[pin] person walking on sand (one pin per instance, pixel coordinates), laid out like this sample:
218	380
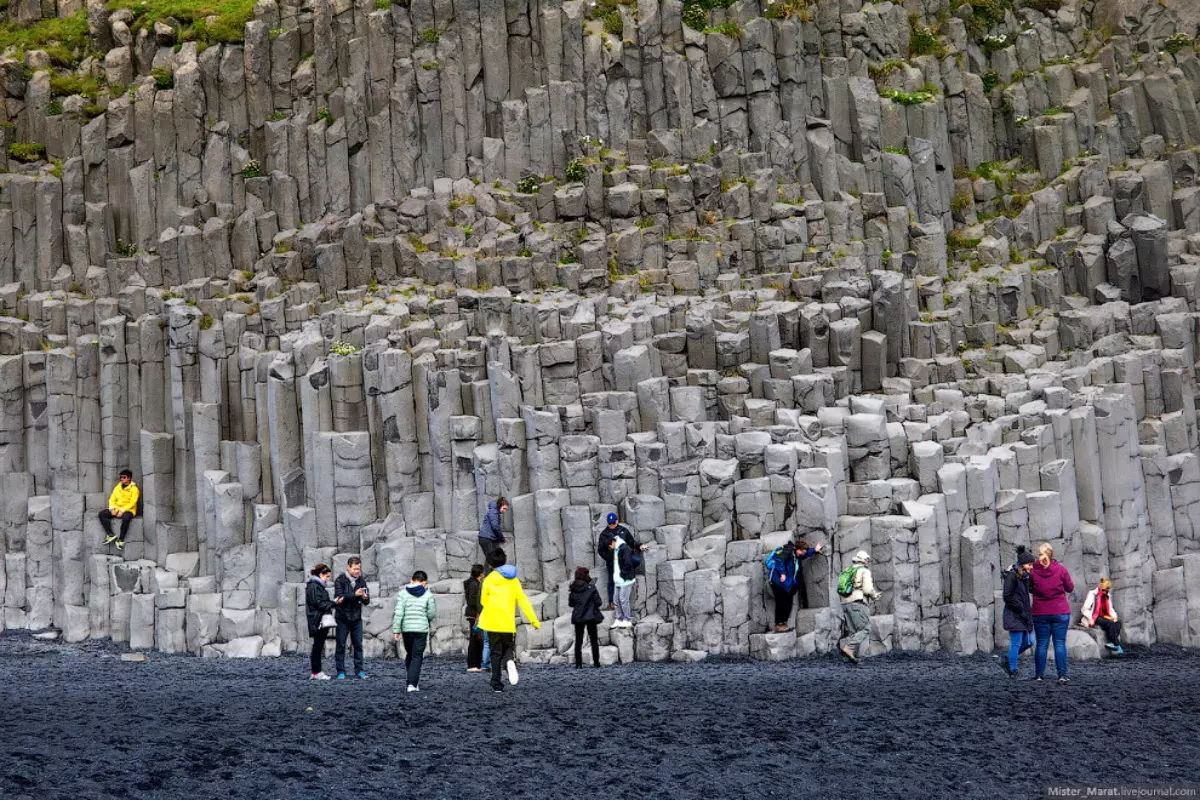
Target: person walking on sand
501	596
350	595
855	587
122	505
472	589
415	610
491	535
1099	612
316	605
624	579
1018	610
783	573
1050	583
585	606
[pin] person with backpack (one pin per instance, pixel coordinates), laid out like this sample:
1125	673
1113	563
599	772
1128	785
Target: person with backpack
604	549
472	588
855	587
585	614
501	596
415	610
350	594
316	605
124	504
783	574
1018	610
624	578
1050	583
1099	612
491	535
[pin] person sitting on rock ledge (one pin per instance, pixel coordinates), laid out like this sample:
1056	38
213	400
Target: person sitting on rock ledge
856	587
122	505
1099	612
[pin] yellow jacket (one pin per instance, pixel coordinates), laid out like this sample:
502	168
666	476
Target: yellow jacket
501	595
124	498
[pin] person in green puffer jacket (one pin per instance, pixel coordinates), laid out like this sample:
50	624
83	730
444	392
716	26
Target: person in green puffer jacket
415	609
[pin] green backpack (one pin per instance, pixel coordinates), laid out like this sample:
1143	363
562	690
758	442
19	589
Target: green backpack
845	586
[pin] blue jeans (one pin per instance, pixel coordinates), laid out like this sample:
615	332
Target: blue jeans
1047	627
1018	642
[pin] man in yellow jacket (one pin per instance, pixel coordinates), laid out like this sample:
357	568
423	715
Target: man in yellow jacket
502	593
122	505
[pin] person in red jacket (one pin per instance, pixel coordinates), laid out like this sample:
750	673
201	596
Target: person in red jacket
1050	583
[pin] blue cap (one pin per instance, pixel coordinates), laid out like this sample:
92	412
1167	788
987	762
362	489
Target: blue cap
612	518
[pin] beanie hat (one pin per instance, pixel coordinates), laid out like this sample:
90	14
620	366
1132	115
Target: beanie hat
861	557
1024	556
612	518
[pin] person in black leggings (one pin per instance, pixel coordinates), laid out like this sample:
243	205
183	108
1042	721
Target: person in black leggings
585	614
317	604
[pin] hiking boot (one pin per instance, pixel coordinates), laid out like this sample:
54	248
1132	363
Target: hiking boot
320	676
781	628
112	537
848	655
513	677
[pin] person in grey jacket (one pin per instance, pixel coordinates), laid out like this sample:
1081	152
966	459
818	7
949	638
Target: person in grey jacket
855	614
491	535
415	610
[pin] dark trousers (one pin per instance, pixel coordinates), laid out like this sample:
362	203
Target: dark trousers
503	646
1112	630
414	654
106	518
488	546
354	631
783	603
608	566
318	649
591	632
475	646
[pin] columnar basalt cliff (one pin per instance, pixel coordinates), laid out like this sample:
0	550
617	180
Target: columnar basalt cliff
920	279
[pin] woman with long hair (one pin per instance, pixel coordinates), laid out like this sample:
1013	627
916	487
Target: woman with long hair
316	605
585	614
1050	583
1099	612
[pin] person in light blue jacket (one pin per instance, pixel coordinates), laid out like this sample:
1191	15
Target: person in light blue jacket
415	610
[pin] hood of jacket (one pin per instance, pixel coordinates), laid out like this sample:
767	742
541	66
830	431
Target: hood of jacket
577	587
316	579
508	571
415	589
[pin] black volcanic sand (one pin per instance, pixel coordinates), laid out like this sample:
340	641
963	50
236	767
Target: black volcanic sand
76	722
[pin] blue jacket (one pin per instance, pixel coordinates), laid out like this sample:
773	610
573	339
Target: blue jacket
490	527
791	577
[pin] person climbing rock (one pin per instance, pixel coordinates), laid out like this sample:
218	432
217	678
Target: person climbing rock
1018	610
491	535
785	578
122	505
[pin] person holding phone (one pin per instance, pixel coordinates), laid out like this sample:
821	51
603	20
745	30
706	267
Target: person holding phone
349	596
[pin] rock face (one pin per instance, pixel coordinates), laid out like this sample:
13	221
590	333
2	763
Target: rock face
784	279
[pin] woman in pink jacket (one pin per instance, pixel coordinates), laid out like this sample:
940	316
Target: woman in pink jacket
1049	585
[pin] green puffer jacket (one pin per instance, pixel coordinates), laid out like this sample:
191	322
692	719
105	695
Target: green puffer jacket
415	609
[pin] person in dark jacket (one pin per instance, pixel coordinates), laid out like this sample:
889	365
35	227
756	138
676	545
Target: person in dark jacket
491	535
604	549
472	587
317	604
1018	609
585	614
350	595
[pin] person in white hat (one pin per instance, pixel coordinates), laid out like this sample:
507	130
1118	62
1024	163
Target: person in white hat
855	588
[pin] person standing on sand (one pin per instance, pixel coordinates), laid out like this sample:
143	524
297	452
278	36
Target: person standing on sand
856	587
1018	610
350	595
585	606
415	610
1050	584
472	589
491	534
1098	611
501	596
316	605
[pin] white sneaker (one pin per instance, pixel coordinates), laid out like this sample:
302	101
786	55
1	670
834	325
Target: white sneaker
512	673
320	676
413	689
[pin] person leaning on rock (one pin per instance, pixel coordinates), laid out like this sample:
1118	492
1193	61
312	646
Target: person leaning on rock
350	595
491	535
122	505
856	587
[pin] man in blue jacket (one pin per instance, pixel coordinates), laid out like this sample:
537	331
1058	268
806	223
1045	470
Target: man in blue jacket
491	536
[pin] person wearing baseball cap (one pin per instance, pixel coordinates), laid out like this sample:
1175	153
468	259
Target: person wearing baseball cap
604	549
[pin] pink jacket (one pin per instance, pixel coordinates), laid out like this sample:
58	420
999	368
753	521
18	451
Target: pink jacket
1049	588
